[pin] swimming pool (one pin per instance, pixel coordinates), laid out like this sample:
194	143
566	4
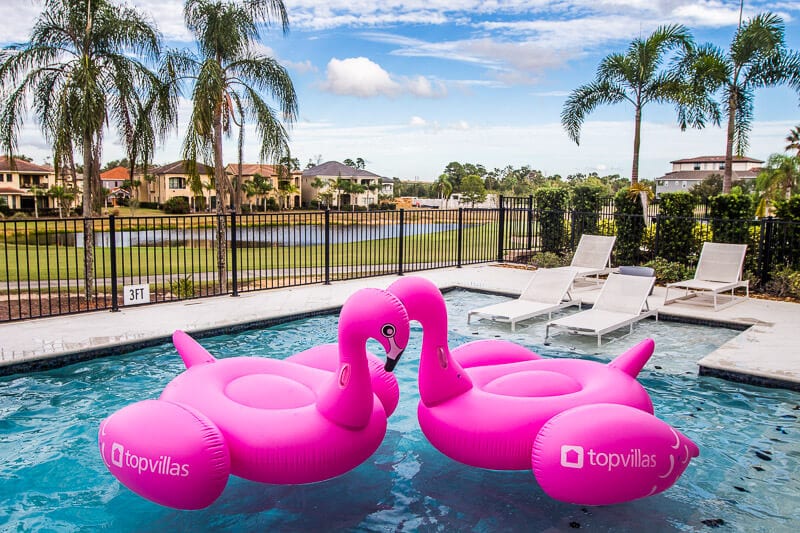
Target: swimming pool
52	477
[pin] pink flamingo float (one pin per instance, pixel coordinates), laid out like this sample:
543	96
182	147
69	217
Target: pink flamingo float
266	420
586	429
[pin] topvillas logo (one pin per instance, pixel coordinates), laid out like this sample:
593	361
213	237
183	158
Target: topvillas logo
164	465
576	457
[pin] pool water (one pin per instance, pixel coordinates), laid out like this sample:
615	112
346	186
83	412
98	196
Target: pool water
52	477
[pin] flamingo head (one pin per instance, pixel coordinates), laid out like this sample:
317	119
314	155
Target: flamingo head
379	315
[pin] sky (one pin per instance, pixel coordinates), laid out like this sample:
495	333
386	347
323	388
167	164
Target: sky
411	85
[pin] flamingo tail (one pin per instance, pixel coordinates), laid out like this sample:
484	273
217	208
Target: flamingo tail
633	360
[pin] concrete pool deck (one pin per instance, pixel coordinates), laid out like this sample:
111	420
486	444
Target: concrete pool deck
766	353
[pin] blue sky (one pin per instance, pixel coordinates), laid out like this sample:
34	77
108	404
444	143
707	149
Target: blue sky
410	85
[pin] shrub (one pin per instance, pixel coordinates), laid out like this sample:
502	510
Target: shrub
183	288
607	227
547	260
669	271
788	209
586	208
727	213
551	203
674	226
176	206
630	227
784	282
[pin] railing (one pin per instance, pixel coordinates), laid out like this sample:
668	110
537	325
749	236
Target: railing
42	263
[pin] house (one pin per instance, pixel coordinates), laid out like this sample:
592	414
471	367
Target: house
25	184
686	173
285	190
387	187
174	180
338	185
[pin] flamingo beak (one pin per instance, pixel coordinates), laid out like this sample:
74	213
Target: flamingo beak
393	355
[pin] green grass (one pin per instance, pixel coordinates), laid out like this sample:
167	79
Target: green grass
20	262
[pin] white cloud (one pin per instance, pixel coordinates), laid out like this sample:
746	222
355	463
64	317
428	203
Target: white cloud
359	76
417	121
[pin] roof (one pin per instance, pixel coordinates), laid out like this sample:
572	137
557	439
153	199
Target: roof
6	189
179	167
22	166
716	159
116	173
250	169
334	168
699	175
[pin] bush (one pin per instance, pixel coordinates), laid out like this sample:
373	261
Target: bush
551	203
784	282
176	206
586	208
674	226
547	260
669	271
630	227
727	211
183	288
788	209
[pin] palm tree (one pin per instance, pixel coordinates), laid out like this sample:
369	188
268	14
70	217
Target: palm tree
229	78
63	197
779	178
636	77
793	140
757	58
443	187
80	70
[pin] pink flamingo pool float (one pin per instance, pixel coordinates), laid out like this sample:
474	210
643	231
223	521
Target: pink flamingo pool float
586	429
267	420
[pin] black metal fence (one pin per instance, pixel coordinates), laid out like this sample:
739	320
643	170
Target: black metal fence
42	262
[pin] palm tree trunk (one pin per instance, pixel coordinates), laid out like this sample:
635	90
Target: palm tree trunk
219	184
88	224
637	139
727	176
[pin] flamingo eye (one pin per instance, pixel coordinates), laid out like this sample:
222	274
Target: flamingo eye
388	331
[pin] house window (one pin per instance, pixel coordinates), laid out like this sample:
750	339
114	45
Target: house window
697	166
661	183
722	166
177	183
8	177
683	184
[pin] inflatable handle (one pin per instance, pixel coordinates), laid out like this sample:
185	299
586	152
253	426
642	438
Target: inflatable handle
607	453
166	452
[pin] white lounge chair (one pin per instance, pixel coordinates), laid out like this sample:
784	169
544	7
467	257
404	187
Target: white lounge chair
547	291
622	301
719	270
592	256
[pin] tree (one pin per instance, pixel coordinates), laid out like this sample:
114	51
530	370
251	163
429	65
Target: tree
326	195
711	186
443	187
778	179
229	79
793	141
637	77
259	186
63	197
83	65
37	193
757	58
472	189
114	163
359	163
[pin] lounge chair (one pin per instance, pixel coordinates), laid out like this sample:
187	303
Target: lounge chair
547	291
592	256
622	302
719	270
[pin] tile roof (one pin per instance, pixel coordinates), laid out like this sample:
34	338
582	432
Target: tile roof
116	174
22	165
249	169
703	174
4	189
716	159
179	167
334	168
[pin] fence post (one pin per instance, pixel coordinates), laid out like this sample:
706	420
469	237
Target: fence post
501	221
113	244
658	235
765	250
327	245
460	236
400	243
530	222
234	263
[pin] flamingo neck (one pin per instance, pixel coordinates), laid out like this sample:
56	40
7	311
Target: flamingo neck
441	377
347	399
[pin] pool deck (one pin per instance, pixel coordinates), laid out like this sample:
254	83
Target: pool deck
765	353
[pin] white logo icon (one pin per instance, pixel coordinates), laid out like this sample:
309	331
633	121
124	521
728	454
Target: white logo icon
117	453
571	456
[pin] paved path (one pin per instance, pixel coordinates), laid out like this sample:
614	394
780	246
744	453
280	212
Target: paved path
766	353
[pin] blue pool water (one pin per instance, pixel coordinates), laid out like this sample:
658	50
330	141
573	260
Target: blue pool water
746	478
